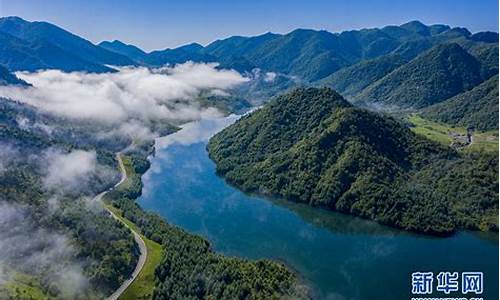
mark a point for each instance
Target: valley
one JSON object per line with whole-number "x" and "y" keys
{"x": 277, "y": 166}
{"x": 334, "y": 253}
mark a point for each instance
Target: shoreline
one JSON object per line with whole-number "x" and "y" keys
{"x": 300, "y": 281}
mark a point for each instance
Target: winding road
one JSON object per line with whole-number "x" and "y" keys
{"x": 137, "y": 237}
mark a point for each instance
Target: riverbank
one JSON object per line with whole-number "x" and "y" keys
{"x": 337, "y": 254}
{"x": 189, "y": 267}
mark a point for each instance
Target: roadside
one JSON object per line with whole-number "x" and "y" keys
{"x": 141, "y": 283}
{"x": 138, "y": 238}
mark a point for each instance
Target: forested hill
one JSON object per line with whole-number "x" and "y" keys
{"x": 312, "y": 146}
{"x": 434, "y": 76}
{"x": 352, "y": 80}
{"x": 477, "y": 108}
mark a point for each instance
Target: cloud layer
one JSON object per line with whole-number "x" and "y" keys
{"x": 74, "y": 172}
{"x": 34, "y": 250}
{"x": 67, "y": 170}
{"x": 131, "y": 93}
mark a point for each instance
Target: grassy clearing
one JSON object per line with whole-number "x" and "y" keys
{"x": 482, "y": 141}
{"x": 22, "y": 286}
{"x": 485, "y": 141}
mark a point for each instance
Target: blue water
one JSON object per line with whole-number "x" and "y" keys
{"x": 338, "y": 256}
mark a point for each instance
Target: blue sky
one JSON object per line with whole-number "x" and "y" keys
{"x": 161, "y": 24}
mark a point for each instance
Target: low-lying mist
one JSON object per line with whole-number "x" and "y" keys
{"x": 128, "y": 99}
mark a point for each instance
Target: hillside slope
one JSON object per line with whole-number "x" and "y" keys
{"x": 33, "y": 31}
{"x": 353, "y": 79}
{"x": 434, "y": 76}
{"x": 477, "y": 108}
{"x": 20, "y": 55}
{"x": 38, "y": 45}
{"x": 312, "y": 146}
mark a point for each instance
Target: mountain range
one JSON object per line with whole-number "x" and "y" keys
{"x": 409, "y": 67}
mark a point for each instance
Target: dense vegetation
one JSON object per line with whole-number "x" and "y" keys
{"x": 104, "y": 249}
{"x": 432, "y": 77}
{"x": 309, "y": 55}
{"x": 312, "y": 55}
{"x": 476, "y": 108}
{"x": 351, "y": 80}
{"x": 191, "y": 270}
{"x": 312, "y": 146}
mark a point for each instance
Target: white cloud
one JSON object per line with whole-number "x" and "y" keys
{"x": 68, "y": 170}
{"x": 28, "y": 248}
{"x": 8, "y": 154}
{"x": 196, "y": 132}
{"x": 131, "y": 93}
{"x": 270, "y": 76}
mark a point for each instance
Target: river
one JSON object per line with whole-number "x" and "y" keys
{"x": 338, "y": 256}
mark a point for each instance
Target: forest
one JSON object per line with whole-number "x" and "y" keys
{"x": 190, "y": 269}
{"x": 312, "y": 146}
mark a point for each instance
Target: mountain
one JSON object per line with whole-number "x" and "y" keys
{"x": 477, "y": 108}
{"x": 21, "y": 55}
{"x": 304, "y": 54}
{"x": 312, "y": 146}
{"x": 434, "y": 76}
{"x": 130, "y": 51}
{"x": 353, "y": 79}
{"x": 485, "y": 36}
{"x": 6, "y": 77}
{"x": 191, "y": 52}
{"x": 485, "y": 53}
{"x": 312, "y": 55}
{"x": 49, "y": 46}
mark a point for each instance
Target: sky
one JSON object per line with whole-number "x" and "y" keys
{"x": 154, "y": 25}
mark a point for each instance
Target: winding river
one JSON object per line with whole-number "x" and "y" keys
{"x": 339, "y": 256}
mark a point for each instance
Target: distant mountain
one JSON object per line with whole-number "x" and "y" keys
{"x": 21, "y": 55}
{"x": 485, "y": 36}
{"x": 313, "y": 55}
{"x": 312, "y": 146}
{"x": 432, "y": 77}
{"x": 477, "y": 107}
{"x": 349, "y": 61}
{"x": 49, "y": 46}
{"x": 130, "y": 51}
{"x": 351, "y": 80}
{"x": 191, "y": 52}
{"x": 6, "y": 78}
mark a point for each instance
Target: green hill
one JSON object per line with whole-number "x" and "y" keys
{"x": 432, "y": 77}
{"x": 351, "y": 80}
{"x": 312, "y": 55}
{"x": 477, "y": 107}
{"x": 312, "y": 146}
